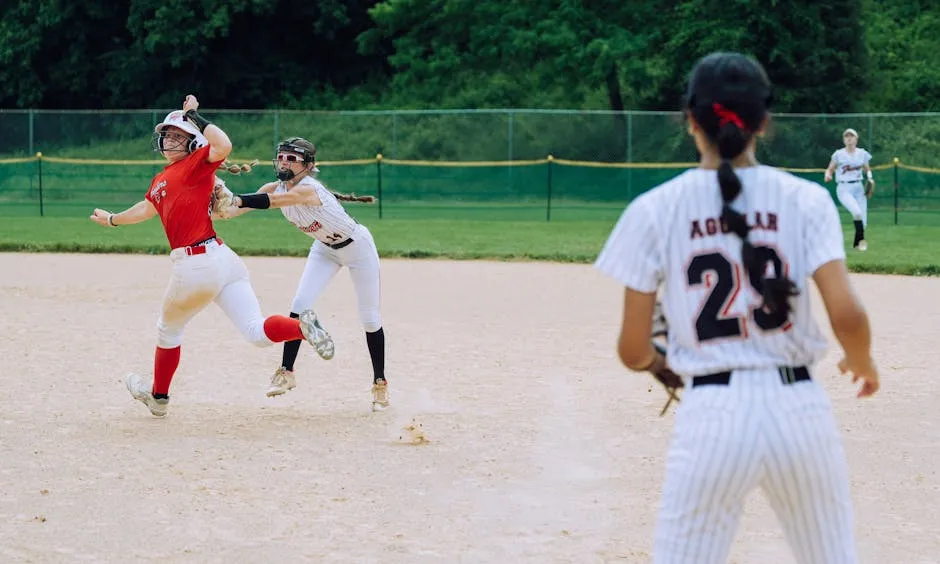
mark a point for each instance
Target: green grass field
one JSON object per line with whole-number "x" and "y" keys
{"x": 903, "y": 249}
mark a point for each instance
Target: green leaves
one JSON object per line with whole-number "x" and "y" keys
{"x": 834, "y": 56}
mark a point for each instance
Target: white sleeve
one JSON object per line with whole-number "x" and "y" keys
{"x": 867, "y": 157}
{"x": 631, "y": 254}
{"x": 822, "y": 241}
{"x": 834, "y": 158}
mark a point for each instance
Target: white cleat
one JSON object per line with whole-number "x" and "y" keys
{"x": 863, "y": 245}
{"x": 380, "y": 396}
{"x": 316, "y": 335}
{"x": 141, "y": 390}
{"x": 282, "y": 382}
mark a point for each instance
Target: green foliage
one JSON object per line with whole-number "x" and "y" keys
{"x": 903, "y": 42}
{"x": 835, "y": 56}
{"x": 813, "y": 51}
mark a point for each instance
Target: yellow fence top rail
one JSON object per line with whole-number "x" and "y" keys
{"x": 454, "y": 164}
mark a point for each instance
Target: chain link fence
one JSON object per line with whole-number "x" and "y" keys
{"x": 488, "y": 164}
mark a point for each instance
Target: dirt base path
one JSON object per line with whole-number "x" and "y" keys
{"x": 542, "y": 448}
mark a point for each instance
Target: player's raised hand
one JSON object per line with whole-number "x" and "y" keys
{"x": 190, "y": 103}
{"x": 865, "y": 371}
{"x": 100, "y": 217}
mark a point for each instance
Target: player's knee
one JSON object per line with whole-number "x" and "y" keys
{"x": 371, "y": 321}
{"x": 300, "y": 304}
{"x": 168, "y": 337}
{"x": 254, "y": 334}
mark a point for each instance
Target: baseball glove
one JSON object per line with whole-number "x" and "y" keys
{"x": 221, "y": 199}
{"x": 670, "y": 381}
{"x": 869, "y": 188}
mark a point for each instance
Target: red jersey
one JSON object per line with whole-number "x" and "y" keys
{"x": 181, "y": 195}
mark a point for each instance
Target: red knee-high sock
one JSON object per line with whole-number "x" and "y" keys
{"x": 279, "y": 329}
{"x": 165, "y": 362}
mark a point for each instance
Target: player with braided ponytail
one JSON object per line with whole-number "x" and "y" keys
{"x": 733, "y": 138}
{"x": 339, "y": 240}
{"x": 731, "y": 246}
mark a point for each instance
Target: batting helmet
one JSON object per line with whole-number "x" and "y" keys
{"x": 176, "y": 119}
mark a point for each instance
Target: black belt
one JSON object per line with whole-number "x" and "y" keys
{"x": 339, "y": 245}
{"x": 788, "y": 375}
{"x": 203, "y": 242}
{"x": 849, "y": 181}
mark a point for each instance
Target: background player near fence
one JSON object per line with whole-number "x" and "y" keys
{"x": 339, "y": 240}
{"x": 204, "y": 268}
{"x": 848, "y": 164}
{"x": 730, "y": 242}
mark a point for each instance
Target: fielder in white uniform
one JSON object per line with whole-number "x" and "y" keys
{"x": 848, "y": 165}
{"x": 339, "y": 240}
{"x": 731, "y": 245}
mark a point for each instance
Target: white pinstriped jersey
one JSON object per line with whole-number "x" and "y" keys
{"x": 328, "y": 223}
{"x": 849, "y": 165}
{"x": 672, "y": 237}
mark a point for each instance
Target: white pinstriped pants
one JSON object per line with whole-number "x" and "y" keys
{"x": 755, "y": 432}
{"x": 852, "y": 197}
{"x": 362, "y": 259}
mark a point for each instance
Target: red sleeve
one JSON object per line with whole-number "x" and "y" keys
{"x": 199, "y": 166}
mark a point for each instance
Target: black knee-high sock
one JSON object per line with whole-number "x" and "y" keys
{"x": 376, "y": 342}
{"x": 859, "y": 232}
{"x": 291, "y": 348}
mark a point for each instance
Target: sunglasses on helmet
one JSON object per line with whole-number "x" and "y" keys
{"x": 289, "y": 157}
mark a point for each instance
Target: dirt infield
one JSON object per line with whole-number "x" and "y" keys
{"x": 542, "y": 448}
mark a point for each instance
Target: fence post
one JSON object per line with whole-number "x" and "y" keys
{"x": 509, "y": 133}
{"x": 32, "y": 119}
{"x": 630, "y": 155}
{"x": 509, "y": 143}
{"x": 378, "y": 176}
{"x": 32, "y": 114}
{"x": 277, "y": 139}
{"x": 395, "y": 135}
{"x": 548, "y": 190}
{"x": 39, "y": 169}
{"x": 896, "y": 161}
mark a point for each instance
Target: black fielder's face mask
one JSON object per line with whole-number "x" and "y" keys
{"x": 286, "y": 165}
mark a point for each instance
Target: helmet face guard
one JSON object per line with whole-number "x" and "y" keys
{"x": 299, "y": 146}
{"x": 158, "y": 141}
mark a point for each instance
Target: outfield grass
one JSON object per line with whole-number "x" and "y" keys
{"x": 912, "y": 250}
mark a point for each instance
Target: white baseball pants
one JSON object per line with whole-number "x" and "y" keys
{"x": 362, "y": 259}
{"x": 852, "y": 197}
{"x": 218, "y": 275}
{"x": 755, "y": 432}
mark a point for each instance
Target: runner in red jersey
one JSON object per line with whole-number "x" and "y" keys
{"x": 204, "y": 269}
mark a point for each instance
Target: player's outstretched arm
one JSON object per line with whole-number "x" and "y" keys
{"x": 264, "y": 198}
{"x": 141, "y": 211}
{"x": 220, "y": 146}
{"x": 849, "y": 324}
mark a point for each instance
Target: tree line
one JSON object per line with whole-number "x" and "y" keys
{"x": 824, "y": 57}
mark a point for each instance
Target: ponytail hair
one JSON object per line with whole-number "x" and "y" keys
{"x": 776, "y": 290}
{"x": 235, "y": 168}
{"x": 739, "y": 82}
{"x": 352, "y": 197}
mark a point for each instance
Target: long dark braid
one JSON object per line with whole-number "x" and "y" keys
{"x": 740, "y": 83}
